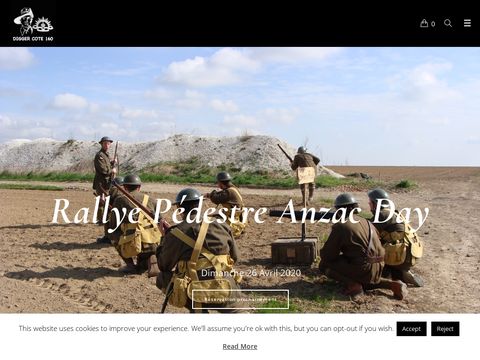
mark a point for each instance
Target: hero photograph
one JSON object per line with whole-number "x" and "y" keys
{"x": 239, "y": 180}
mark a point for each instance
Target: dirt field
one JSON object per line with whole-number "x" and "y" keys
{"x": 59, "y": 268}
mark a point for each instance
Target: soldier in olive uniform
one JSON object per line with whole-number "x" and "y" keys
{"x": 104, "y": 167}
{"x": 353, "y": 254}
{"x": 132, "y": 184}
{"x": 386, "y": 229}
{"x": 174, "y": 253}
{"x": 303, "y": 159}
{"x": 104, "y": 172}
{"x": 113, "y": 193}
{"x": 229, "y": 197}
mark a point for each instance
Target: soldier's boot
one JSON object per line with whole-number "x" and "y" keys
{"x": 399, "y": 289}
{"x": 311, "y": 190}
{"x": 352, "y": 288}
{"x": 98, "y": 220}
{"x": 153, "y": 269}
{"x": 129, "y": 267}
{"x": 410, "y": 278}
{"x": 103, "y": 240}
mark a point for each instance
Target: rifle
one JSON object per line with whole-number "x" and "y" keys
{"x": 168, "y": 292}
{"x": 288, "y": 156}
{"x": 118, "y": 168}
{"x": 162, "y": 225}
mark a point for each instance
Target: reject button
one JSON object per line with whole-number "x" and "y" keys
{"x": 411, "y": 328}
{"x": 445, "y": 328}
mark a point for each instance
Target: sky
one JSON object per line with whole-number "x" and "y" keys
{"x": 350, "y": 106}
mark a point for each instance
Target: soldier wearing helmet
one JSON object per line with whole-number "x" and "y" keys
{"x": 127, "y": 234}
{"x": 398, "y": 238}
{"x": 353, "y": 253}
{"x": 209, "y": 265}
{"x": 229, "y": 197}
{"x": 303, "y": 160}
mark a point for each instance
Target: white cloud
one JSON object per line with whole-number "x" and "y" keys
{"x": 138, "y": 114}
{"x": 224, "y": 106}
{"x": 230, "y": 66}
{"x": 30, "y": 127}
{"x": 280, "y": 115}
{"x": 132, "y": 71}
{"x": 293, "y": 54}
{"x": 224, "y": 67}
{"x": 188, "y": 103}
{"x": 441, "y": 120}
{"x": 69, "y": 101}
{"x": 157, "y": 94}
{"x": 94, "y": 107}
{"x": 240, "y": 120}
{"x": 192, "y": 100}
{"x": 5, "y": 121}
{"x": 473, "y": 140}
{"x": 423, "y": 83}
{"x": 15, "y": 58}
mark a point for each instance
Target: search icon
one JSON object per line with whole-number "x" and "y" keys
{"x": 447, "y": 22}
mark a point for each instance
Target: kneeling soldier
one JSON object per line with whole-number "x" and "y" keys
{"x": 113, "y": 193}
{"x": 196, "y": 261}
{"x": 402, "y": 245}
{"x": 229, "y": 197}
{"x": 138, "y": 239}
{"x": 353, "y": 253}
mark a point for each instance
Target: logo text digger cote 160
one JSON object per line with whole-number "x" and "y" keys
{"x": 31, "y": 27}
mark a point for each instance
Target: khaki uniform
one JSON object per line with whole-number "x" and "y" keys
{"x": 113, "y": 193}
{"x": 347, "y": 253}
{"x": 230, "y": 198}
{"x": 103, "y": 171}
{"x": 305, "y": 160}
{"x": 391, "y": 226}
{"x": 173, "y": 252}
{"x": 302, "y": 161}
{"x": 121, "y": 201}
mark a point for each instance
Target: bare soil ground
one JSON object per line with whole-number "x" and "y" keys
{"x": 59, "y": 268}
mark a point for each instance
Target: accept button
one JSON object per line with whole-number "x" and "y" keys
{"x": 411, "y": 328}
{"x": 445, "y": 328}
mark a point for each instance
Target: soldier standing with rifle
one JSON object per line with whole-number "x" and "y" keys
{"x": 105, "y": 171}
{"x": 301, "y": 161}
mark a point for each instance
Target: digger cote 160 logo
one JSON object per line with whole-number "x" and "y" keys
{"x": 31, "y": 30}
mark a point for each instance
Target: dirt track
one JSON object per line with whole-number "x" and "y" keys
{"x": 59, "y": 268}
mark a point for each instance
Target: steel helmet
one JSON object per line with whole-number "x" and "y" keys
{"x": 132, "y": 179}
{"x": 187, "y": 195}
{"x": 223, "y": 176}
{"x": 118, "y": 180}
{"x": 344, "y": 200}
{"x": 378, "y": 194}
